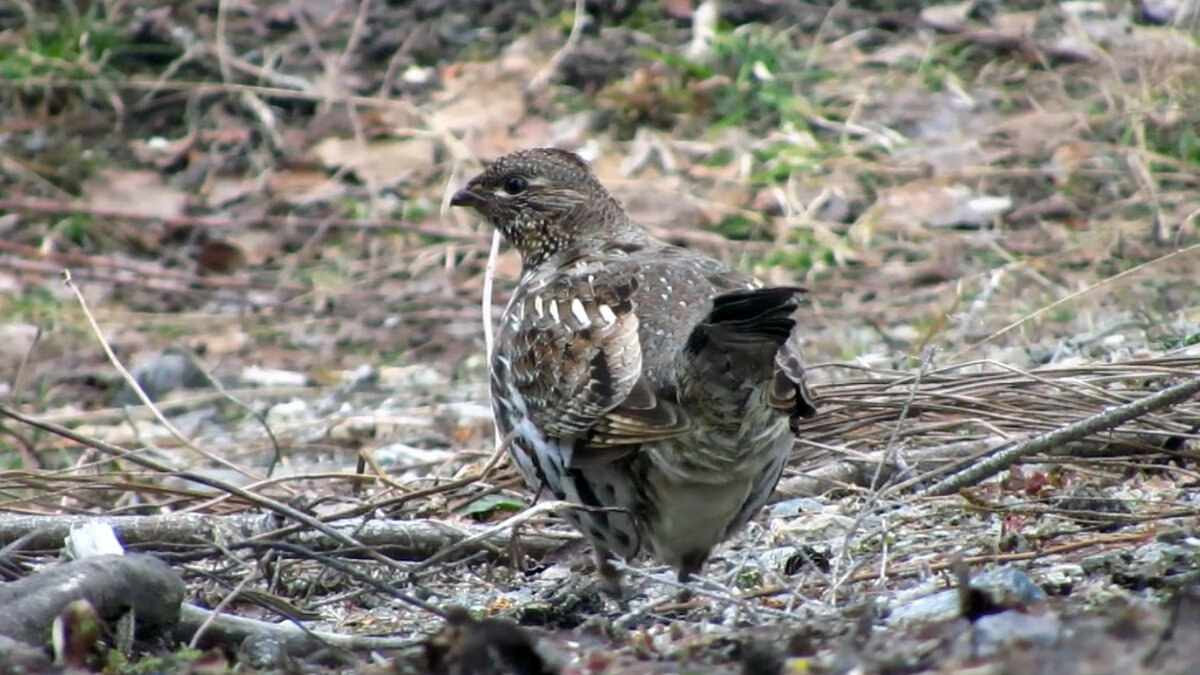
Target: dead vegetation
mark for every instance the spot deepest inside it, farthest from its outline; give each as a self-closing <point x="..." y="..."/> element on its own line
<point x="995" y="207"/>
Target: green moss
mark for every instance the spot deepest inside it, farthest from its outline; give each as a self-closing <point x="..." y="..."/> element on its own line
<point x="416" y="209"/>
<point x="754" y="80"/>
<point x="35" y="305"/>
<point x="777" y="163"/>
<point x="184" y="659"/>
<point x="801" y="255"/>
<point x="739" y="227"/>
<point x="77" y="228"/>
<point x="749" y="580"/>
<point x="68" y="42"/>
<point x="1181" y="341"/>
<point x="1061" y="314"/>
<point x="11" y="458"/>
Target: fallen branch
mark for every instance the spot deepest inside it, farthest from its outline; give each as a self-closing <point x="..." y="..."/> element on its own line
<point x="397" y="539"/>
<point x="978" y="469"/>
<point x="231" y="631"/>
<point x="49" y="207"/>
<point x="859" y="471"/>
<point x="273" y="505"/>
<point x="113" y="584"/>
<point x="959" y="414"/>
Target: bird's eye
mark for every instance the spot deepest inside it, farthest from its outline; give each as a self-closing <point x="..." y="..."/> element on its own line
<point x="515" y="185"/>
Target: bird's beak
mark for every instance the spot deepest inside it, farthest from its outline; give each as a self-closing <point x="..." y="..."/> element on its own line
<point x="465" y="197"/>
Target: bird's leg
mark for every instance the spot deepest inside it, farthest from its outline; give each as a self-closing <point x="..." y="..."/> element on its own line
<point x="689" y="567"/>
<point x="610" y="576"/>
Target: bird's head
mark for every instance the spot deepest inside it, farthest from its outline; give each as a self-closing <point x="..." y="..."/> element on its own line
<point x="542" y="201"/>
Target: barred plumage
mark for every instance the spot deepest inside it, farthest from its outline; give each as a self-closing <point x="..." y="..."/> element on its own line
<point x="637" y="375"/>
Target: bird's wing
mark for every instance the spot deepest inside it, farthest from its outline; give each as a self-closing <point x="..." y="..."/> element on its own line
<point x="577" y="362"/>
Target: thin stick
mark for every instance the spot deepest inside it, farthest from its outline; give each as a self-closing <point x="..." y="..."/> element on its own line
<point x="489" y="339"/>
<point x="51" y="207"/>
<point x="539" y="81"/>
<point x="217" y="612"/>
<point x="489" y="275"/>
<point x="284" y="510"/>
<point x="141" y="393"/>
<point x="995" y="463"/>
<point x="507" y="524"/>
<point x="701" y="586"/>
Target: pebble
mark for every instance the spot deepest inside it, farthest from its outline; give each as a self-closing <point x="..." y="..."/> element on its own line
<point x="1007" y="586"/>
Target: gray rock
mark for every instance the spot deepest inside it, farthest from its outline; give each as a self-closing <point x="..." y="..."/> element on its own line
<point x="1006" y="586"/>
<point x="996" y="632"/>
<point x="159" y="375"/>
<point x="790" y="508"/>
<point x="1158" y="565"/>
<point x="1107" y="561"/>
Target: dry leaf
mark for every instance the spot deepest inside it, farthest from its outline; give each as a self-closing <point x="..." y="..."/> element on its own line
<point x="221" y="191"/>
<point x="140" y="191"/>
<point x="911" y="208"/>
<point x="382" y="162"/>
<point x="303" y="185"/>
<point x="160" y="152"/>
<point x="483" y="98"/>
<point x="220" y="257"/>
<point x="680" y="9"/>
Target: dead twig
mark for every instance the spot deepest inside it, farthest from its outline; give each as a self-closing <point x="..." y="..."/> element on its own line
<point x="906" y="570"/>
<point x="137" y="387"/>
<point x="203" y="479"/>
<point x="139" y="273"/>
<point x="542" y="78"/>
<point x="50" y="207"/>
<point x="400" y="539"/>
<point x="999" y="460"/>
<point x="511" y="523"/>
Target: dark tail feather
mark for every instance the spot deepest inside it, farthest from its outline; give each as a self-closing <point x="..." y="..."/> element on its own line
<point x="752" y="331"/>
<point x="748" y="320"/>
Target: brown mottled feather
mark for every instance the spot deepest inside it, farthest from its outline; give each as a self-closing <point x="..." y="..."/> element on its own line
<point x="598" y="391"/>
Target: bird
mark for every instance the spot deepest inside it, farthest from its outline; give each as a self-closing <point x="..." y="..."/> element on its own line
<point x="656" y="388"/>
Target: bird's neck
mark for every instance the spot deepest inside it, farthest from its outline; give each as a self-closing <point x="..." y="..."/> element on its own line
<point x="611" y="224"/>
<point x="600" y="230"/>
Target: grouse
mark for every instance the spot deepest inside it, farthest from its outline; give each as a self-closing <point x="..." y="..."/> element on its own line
<point x="655" y="387"/>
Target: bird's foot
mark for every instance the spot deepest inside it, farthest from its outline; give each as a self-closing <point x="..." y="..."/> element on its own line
<point x="685" y="594"/>
<point x="611" y="578"/>
<point x="689" y="569"/>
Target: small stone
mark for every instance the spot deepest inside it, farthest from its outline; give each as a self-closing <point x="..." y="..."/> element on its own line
<point x="1006" y="586"/>
<point x="159" y="375"/>
<point x="295" y="410"/>
<point x="996" y="632"/>
<point x="256" y="376"/>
